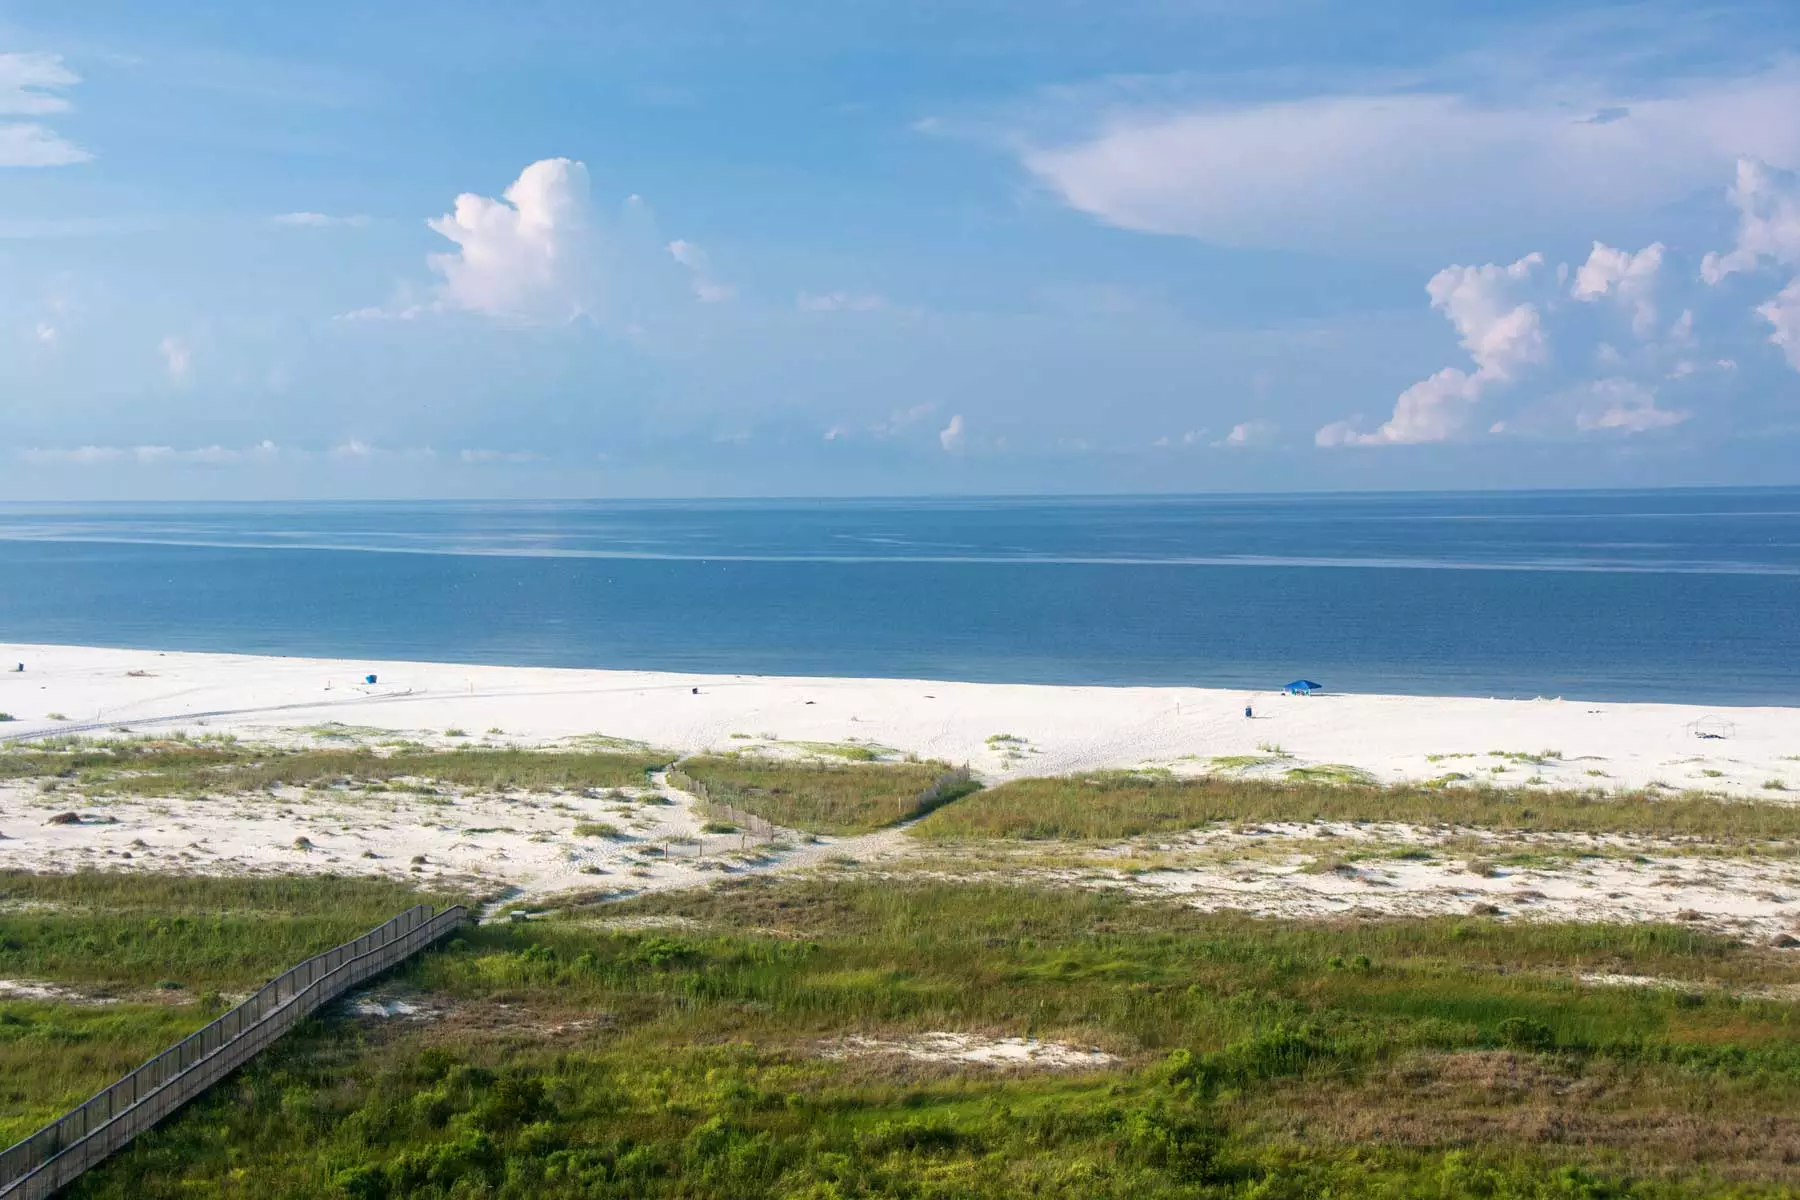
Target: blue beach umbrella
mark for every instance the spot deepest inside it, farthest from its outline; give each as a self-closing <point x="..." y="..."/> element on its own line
<point x="1302" y="687"/>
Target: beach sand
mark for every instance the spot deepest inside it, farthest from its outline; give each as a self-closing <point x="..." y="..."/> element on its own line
<point x="525" y="845"/>
<point x="1054" y="730"/>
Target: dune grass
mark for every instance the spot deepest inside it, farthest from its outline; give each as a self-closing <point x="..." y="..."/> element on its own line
<point x="121" y="931"/>
<point x="830" y="798"/>
<point x="186" y="768"/>
<point x="149" y="954"/>
<point x="53" y="1056"/>
<point x="1428" y="1058"/>
<point x="1122" y="804"/>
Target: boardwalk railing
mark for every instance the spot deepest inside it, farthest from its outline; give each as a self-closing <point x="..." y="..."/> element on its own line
<point x="59" y="1152"/>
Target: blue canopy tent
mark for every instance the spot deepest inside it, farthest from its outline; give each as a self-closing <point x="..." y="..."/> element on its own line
<point x="1302" y="687"/>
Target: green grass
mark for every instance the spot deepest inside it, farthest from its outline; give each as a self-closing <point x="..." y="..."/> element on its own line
<point x="824" y="798"/>
<point x="180" y="940"/>
<point x="599" y="829"/>
<point x="1259" y="1058"/>
<point x="1123" y="804"/>
<point x="1330" y="773"/>
<point x="53" y="1056"/>
<point x="188" y="768"/>
<point x="131" y="930"/>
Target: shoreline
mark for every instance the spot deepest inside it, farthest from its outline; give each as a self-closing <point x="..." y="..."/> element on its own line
<point x="1002" y="731"/>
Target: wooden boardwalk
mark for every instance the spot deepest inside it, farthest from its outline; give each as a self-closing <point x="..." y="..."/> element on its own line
<point x="58" y="1153"/>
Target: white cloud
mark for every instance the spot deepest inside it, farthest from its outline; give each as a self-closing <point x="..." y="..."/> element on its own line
<point x="522" y="257"/>
<point x="1501" y="336"/>
<point x="1768" y="204"/>
<point x="177" y="358"/>
<point x="951" y="436"/>
<point x="1630" y="277"/>
<point x="1783" y="312"/>
<point x="45" y="333"/>
<point x="313" y="220"/>
<point x="1625" y="407"/>
<point x="837" y="433"/>
<point x="900" y="419"/>
<point x="699" y="265"/>
<point x="1408" y="167"/>
<point x="149" y="456"/>
<point x="1681" y="333"/>
<point x="29" y="84"/>
<point x="353" y="450"/>
<point x="840" y="302"/>
<point x="1249" y="433"/>
<point x="1189" y="438"/>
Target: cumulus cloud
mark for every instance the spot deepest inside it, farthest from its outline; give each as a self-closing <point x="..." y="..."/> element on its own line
<point x="1768" y="204"/>
<point x="1501" y="336"/>
<point x="1249" y="433"/>
<point x="1629" y="277"/>
<point x="522" y="257"/>
<point x="29" y="87"/>
<point x="177" y="358"/>
<point x="840" y="302"/>
<point x="699" y="265"/>
<point x="1407" y="167"/>
<point x="1783" y="312"/>
<point x="951" y="435"/>
<point x="1623" y="406"/>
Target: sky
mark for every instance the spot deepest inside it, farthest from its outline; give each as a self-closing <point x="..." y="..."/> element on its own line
<point x="846" y="247"/>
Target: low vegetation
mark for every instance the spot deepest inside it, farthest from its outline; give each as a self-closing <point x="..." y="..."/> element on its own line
<point x="830" y="798"/>
<point x="171" y="767"/>
<point x="681" y="1045"/>
<point x="146" y="959"/>
<point x="1128" y="804"/>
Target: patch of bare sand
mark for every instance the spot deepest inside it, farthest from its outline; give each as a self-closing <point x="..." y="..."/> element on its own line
<point x="1017" y="1052"/>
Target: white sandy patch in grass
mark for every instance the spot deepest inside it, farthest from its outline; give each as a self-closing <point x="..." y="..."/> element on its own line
<point x="1042" y="730"/>
<point x="969" y="1048"/>
<point x="386" y="1007"/>
<point x="1651" y="982"/>
<point x="29" y="989"/>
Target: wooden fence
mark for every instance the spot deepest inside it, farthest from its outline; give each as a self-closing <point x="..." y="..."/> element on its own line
<point x="60" y="1151"/>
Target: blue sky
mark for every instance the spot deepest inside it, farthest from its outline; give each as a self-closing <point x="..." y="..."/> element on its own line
<point x="846" y="247"/>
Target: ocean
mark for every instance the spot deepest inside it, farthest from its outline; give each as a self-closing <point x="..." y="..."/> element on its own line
<point x="1689" y="595"/>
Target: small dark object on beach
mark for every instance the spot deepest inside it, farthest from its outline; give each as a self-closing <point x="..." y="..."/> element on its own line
<point x="696" y="691"/>
<point x="368" y="679"/>
<point x="65" y="818"/>
<point x="1247" y="712"/>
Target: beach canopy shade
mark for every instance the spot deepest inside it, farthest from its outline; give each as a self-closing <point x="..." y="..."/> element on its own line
<point x="1302" y="686"/>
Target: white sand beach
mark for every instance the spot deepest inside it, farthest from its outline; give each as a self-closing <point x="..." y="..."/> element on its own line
<point x="523" y="845"/>
<point x="1000" y="730"/>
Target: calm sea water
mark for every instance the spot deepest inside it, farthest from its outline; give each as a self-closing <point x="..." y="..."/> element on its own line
<point x="1680" y="595"/>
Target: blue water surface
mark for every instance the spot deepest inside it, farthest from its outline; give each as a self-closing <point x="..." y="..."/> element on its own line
<point x="1676" y="595"/>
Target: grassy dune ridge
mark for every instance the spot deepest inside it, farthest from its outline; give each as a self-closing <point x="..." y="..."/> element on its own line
<point x="181" y="768"/>
<point x="1124" y="804"/>
<point x="823" y="797"/>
